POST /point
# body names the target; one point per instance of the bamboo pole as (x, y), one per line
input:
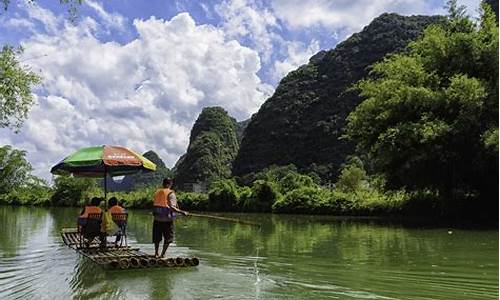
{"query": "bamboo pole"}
(224, 219)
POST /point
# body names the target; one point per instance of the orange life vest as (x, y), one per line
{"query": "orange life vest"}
(117, 209)
(161, 209)
(90, 210)
(160, 198)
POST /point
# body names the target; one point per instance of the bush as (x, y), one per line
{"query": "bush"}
(223, 195)
(294, 181)
(35, 193)
(301, 200)
(192, 201)
(70, 191)
(261, 197)
(353, 176)
(276, 173)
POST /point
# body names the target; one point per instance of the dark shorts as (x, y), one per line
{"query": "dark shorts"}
(163, 229)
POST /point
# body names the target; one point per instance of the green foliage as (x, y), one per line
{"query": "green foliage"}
(302, 200)
(494, 6)
(276, 173)
(307, 200)
(212, 147)
(192, 201)
(14, 169)
(32, 192)
(223, 195)
(17, 185)
(16, 82)
(431, 115)
(72, 191)
(294, 181)
(353, 176)
(490, 139)
(262, 196)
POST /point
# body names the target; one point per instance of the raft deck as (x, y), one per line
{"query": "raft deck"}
(121, 257)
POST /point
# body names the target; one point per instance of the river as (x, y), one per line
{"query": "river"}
(288, 257)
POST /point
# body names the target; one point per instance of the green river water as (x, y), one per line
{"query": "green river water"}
(288, 257)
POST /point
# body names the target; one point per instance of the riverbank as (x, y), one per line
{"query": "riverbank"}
(280, 190)
(418, 208)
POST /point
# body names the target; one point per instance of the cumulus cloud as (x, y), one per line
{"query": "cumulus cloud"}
(246, 19)
(297, 55)
(346, 16)
(144, 94)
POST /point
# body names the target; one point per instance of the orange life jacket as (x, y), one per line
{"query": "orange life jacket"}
(160, 198)
(90, 210)
(161, 209)
(117, 209)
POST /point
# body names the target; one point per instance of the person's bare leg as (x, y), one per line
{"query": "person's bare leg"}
(157, 246)
(165, 247)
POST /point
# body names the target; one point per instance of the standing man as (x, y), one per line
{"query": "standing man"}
(165, 209)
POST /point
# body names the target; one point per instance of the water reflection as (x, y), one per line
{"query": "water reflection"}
(17, 225)
(289, 257)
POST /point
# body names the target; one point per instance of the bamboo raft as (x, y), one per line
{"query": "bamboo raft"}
(121, 257)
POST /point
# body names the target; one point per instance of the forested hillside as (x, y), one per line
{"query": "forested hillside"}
(213, 145)
(304, 119)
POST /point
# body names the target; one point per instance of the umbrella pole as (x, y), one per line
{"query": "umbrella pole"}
(105, 184)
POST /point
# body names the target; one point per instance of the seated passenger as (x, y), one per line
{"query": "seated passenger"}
(93, 208)
(91, 228)
(114, 208)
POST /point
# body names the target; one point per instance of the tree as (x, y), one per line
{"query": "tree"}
(352, 176)
(16, 82)
(14, 169)
(430, 116)
(71, 191)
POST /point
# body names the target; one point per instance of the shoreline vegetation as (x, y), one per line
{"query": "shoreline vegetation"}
(279, 190)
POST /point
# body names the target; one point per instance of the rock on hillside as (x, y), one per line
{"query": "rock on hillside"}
(213, 145)
(240, 128)
(302, 122)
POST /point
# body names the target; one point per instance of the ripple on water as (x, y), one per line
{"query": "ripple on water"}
(22, 275)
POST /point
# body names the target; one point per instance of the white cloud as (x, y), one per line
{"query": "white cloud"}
(18, 23)
(42, 15)
(297, 55)
(144, 94)
(346, 16)
(110, 20)
(244, 19)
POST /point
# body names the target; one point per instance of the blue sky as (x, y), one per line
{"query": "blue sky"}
(137, 73)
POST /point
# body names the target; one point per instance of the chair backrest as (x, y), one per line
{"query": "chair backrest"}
(97, 216)
(120, 219)
(93, 225)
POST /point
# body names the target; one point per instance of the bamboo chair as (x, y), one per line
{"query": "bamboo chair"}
(90, 230)
(120, 220)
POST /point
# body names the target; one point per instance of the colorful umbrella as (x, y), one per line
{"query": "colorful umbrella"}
(100, 161)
